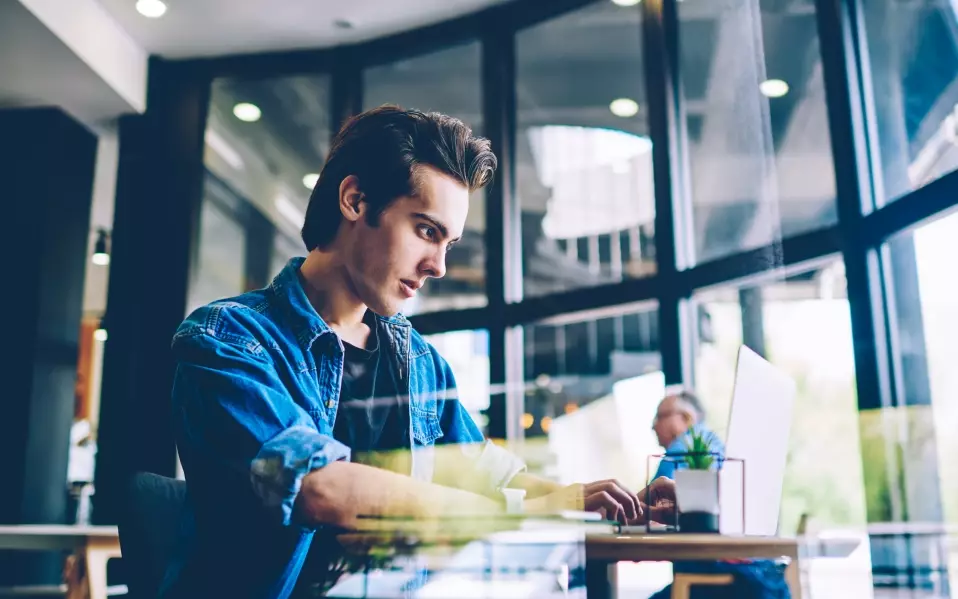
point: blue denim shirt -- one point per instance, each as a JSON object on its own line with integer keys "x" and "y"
{"x": 254, "y": 398}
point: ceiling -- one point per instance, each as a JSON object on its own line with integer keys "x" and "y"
{"x": 214, "y": 27}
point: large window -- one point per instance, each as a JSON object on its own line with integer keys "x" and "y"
{"x": 447, "y": 82}
{"x": 583, "y": 155}
{"x": 913, "y": 54}
{"x": 802, "y": 325}
{"x": 759, "y": 149}
{"x": 921, "y": 265}
{"x": 592, "y": 384}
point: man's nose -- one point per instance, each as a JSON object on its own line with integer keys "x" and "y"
{"x": 435, "y": 265}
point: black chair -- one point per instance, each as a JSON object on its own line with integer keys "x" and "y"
{"x": 149, "y": 530}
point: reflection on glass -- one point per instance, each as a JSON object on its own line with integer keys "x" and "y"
{"x": 925, "y": 289}
{"x": 467, "y": 353}
{"x": 265, "y": 141}
{"x": 219, "y": 269}
{"x": 759, "y": 151}
{"x": 803, "y": 326}
{"x": 448, "y": 82}
{"x": 584, "y": 159}
{"x": 591, "y": 390}
{"x": 913, "y": 52}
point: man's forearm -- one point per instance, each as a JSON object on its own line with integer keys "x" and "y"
{"x": 534, "y": 486}
{"x": 341, "y": 492}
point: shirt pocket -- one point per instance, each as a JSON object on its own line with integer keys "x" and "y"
{"x": 425, "y": 427}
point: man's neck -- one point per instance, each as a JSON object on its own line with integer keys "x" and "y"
{"x": 331, "y": 295}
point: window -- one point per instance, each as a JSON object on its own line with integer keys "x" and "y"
{"x": 921, "y": 264}
{"x": 467, "y": 353}
{"x": 266, "y": 142}
{"x": 759, "y": 148}
{"x": 592, "y": 384}
{"x": 448, "y": 82}
{"x": 219, "y": 271}
{"x": 913, "y": 52}
{"x": 583, "y": 155}
{"x": 802, "y": 325}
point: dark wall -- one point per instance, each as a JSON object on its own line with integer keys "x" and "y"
{"x": 46, "y": 181}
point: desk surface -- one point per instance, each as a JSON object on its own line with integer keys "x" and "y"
{"x": 686, "y": 547}
{"x": 41, "y": 537}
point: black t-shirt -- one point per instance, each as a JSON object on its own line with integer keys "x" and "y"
{"x": 372, "y": 414}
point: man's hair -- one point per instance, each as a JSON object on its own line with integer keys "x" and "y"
{"x": 692, "y": 403}
{"x": 383, "y": 148}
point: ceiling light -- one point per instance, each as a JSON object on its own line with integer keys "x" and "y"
{"x": 100, "y": 335}
{"x": 153, "y": 9}
{"x": 624, "y": 107}
{"x": 101, "y": 254}
{"x": 773, "y": 88}
{"x": 310, "y": 180}
{"x": 626, "y": 2}
{"x": 246, "y": 112}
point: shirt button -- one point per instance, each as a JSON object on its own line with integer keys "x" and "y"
{"x": 330, "y": 403}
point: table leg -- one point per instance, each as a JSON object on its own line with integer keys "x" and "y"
{"x": 793, "y": 576}
{"x": 96, "y": 554}
{"x": 600, "y": 579}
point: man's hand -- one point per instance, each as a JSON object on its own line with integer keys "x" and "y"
{"x": 609, "y": 498}
{"x": 658, "y": 501}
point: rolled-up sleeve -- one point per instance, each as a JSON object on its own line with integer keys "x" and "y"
{"x": 233, "y": 413}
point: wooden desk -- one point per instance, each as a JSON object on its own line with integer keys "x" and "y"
{"x": 602, "y": 552}
{"x": 93, "y": 545}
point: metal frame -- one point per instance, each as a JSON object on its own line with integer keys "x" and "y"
{"x": 858, "y": 236}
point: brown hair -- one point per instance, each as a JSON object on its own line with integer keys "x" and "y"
{"x": 383, "y": 147}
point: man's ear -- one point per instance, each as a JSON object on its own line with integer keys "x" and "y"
{"x": 351, "y": 199}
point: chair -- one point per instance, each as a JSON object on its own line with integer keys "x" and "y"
{"x": 149, "y": 530}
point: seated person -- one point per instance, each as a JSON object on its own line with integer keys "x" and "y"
{"x": 288, "y": 400}
{"x": 677, "y": 415}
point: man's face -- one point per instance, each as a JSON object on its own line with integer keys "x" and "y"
{"x": 670, "y": 422}
{"x": 391, "y": 260}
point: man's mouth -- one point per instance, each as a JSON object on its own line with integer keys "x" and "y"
{"x": 409, "y": 287}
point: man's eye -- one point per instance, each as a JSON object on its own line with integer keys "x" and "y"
{"x": 427, "y": 231}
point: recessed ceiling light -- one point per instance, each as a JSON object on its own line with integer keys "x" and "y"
{"x": 624, "y": 107}
{"x": 310, "y": 180}
{"x": 773, "y": 88}
{"x": 153, "y": 9}
{"x": 247, "y": 112}
{"x": 626, "y": 2}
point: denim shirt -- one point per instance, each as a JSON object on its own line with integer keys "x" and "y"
{"x": 255, "y": 397}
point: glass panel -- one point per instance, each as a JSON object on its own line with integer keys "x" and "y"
{"x": 921, "y": 263}
{"x": 759, "y": 149}
{"x": 913, "y": 52}
{"x": 592, "y": 384}
{"x": 219, "y": 271}
{"x": 802, "y": 325}
{"x": 467, "y": 353}
{"x": 583, "y": 156}
{"x": 448, "y": 82}
{"x": 266, "y": 140}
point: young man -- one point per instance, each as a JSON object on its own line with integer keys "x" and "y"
{"x": 290, "y": 401}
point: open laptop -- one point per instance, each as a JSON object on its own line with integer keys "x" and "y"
{"x": 759, "y": 423}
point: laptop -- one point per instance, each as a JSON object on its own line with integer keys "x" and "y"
{"x": 759, "y": 423}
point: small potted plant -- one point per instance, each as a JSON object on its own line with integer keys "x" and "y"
{"x": 696, "y": 487}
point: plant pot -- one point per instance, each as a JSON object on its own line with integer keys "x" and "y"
{"x": 697, "y": 500}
